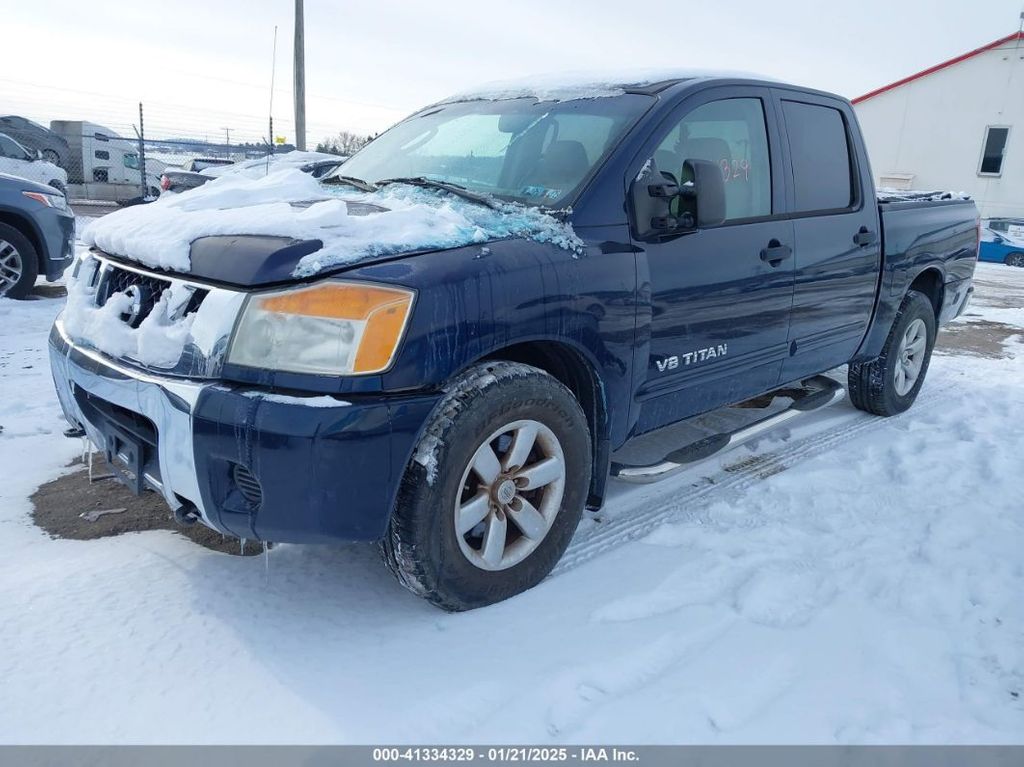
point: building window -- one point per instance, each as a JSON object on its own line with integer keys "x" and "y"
{"x": 993, "y": 150}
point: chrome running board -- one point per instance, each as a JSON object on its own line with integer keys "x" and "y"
{"x": 823, "y": 391}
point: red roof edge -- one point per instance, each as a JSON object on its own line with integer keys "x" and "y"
{"x": 937, "y": 67}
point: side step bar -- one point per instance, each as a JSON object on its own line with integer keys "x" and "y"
{"x": 823, "y": 392}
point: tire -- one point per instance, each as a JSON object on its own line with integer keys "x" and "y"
{"x": 489, "y": 409}
{"x": 1014, "y": 259}
{"x": 19, "y": 264}
{"x": 876, "y": 386}
{"x": 51, "y": 156}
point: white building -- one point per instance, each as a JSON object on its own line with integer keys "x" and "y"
{"x": 958, "y": 125}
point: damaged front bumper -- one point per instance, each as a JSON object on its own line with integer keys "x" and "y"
{"x": 249, "y": 463}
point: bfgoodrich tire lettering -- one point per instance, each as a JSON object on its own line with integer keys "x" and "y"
{"x": 889, "y": 384}
{"x": 423, "y": 545}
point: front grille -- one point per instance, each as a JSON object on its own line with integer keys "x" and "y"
{"x": 247, "y": 484}
{"x": 144, "y": 289}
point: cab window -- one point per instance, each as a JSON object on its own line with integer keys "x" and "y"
{"x": 731, "y": 133}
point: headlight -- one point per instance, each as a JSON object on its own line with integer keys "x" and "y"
{"x": 55, "y": 200}
{"x": 339, "y": 328}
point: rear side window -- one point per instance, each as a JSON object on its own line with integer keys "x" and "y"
{"x": 822, "y": 173}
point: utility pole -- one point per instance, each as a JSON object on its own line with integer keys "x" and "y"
{"x": 300, "y": 79}
{"x": 227, "y": 138}
{"x": 142, "y": 154}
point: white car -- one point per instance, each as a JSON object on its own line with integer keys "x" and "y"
{"x": 18, "y": 161}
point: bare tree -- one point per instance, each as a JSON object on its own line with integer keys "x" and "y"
{"x": 346, "y": 143}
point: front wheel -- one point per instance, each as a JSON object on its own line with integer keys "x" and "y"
{"x": 1014, "y": 259}
{"x": 19, "y": 265}
{"x": 889, "y": 384}
{"x": 495, "y": 489}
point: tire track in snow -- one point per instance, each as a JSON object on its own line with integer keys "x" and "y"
{"x": 641, "y": 516}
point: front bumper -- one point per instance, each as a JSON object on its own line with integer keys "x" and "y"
{"x": 58, "y": 232}
{"x": 322, "y": 473}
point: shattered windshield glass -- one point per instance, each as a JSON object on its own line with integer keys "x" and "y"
{"x": 528, "y": 151}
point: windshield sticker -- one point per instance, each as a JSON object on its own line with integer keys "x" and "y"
{"x": 542, "y": 192}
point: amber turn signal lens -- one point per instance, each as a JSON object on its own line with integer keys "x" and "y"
{"x": 376, "y": 315}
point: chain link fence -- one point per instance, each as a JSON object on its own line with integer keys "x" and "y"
{"x": 124, "y": 162}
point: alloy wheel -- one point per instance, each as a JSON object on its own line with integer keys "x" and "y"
{"x": 11, "y": 266}
{"x": 910, "y": 356}
{"x": 510, "y": 494}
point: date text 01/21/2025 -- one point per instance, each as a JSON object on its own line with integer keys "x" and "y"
{"x": 504, "y": 754}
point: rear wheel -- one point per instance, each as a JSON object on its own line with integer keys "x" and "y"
{"x": 889, "y": 384}
{"x": 495, "y": 490}
{"x": 19, "y": 265}
{"x": 1014, "y": 259}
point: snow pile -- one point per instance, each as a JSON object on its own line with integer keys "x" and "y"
{"x": 888, "y": 194}
{"x": 157, "y": 342}
{"x": 568, "y": 86}
{"x": 289, "y": 203}
{"x": 849, "y": 580}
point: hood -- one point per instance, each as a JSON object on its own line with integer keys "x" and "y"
{"x": 51, "y": 170}
{"x": 289, "y": 221}
{"x": 255, "y": 261}
{"x": 26, "y": 185}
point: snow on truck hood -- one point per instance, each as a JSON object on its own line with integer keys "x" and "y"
{"x": 289, "y": 203}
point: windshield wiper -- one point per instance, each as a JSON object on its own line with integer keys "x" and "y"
{"x": 445, "y": 186}
{"x": 358, "y": 183}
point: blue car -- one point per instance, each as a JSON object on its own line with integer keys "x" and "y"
{"x": 999, "y": 244}
{"x": 37, "y": 234}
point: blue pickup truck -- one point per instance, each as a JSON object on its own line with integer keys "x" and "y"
{"x": 462, "y": 405}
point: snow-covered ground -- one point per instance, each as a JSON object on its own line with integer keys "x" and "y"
{"x": 851, "y": 580}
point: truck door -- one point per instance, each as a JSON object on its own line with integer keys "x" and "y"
{"x": 720, "y": 296}
{"x": 837, "y": 253}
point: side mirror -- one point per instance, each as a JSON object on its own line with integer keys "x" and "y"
{"x": 39, "y": 155}
{"x": 651, "y": 195}
{"x": 662, "y": 205}
{"x": 707, "y": 189}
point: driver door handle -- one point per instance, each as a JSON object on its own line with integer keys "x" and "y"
{"x": 864, "y": 237}
{"x": 775, "y": 253}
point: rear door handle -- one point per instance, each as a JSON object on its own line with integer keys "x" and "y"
{"x": 864, "y": 237}
{"x": 775, "y": 253}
